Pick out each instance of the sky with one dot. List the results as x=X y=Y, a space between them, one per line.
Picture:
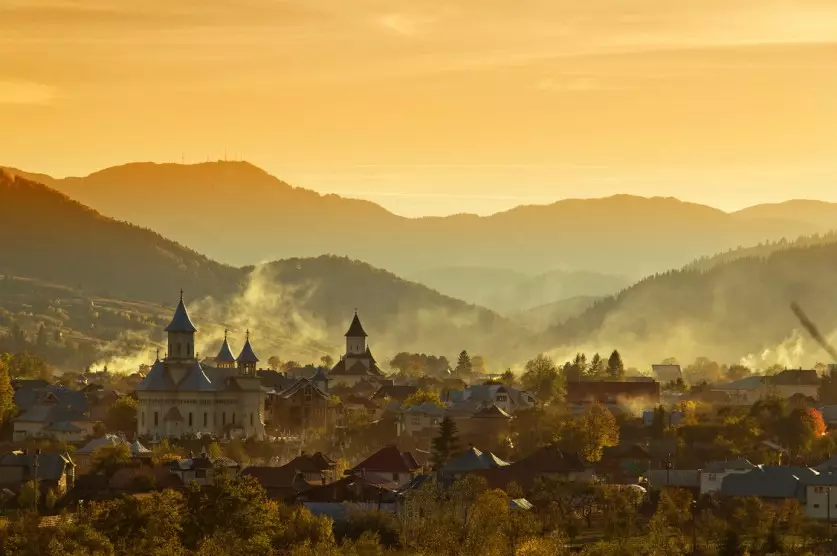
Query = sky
x=431 y=106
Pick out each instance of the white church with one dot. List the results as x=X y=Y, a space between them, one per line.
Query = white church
x=181 y=397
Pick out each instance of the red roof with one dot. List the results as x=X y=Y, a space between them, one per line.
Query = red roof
x=389 y=460
x=611 y=391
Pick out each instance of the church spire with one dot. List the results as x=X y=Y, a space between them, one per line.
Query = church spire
x=225 y=357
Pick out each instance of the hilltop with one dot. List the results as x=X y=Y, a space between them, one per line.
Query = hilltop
x=729 y=311
x=239 y=214
x=299 y=306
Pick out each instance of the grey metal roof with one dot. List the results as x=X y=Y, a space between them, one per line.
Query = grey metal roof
x=735 y=464
x=157 y=379
x=355 y=329
x=51 y=465
x=181 y=322
x=320 y=376
x=225 y=354
x=474 y=459
x=768 y=482
x=196 y=380
x=247 y=355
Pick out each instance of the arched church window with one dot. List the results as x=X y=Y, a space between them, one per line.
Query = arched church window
x=204 y=419
x=223 y=418
x=190 y=418
x=251 y=419
x=156 y=422
x=233 y=418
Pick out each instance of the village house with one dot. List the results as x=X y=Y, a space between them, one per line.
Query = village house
x=179 y=397
x=625 y=396
x=357 y=364
x=388 y=466
x=713 y=474
x=202 y=469
x=480 y=396
x=303 y=405
x=52 y=412
x=84 y=455
x=52 y=470
x=420 y=419
x=786 y=384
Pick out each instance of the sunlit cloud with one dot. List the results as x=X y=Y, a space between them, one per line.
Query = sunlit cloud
x=25 y=92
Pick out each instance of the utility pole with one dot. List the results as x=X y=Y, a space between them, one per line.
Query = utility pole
x=694 y=527
x=37 y=486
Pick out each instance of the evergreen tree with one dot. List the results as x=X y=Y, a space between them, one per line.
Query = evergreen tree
x=615 y=366
x=446 y=444
x=41 y=340
x=773 y=544
x=597 y=366
x=463 y=364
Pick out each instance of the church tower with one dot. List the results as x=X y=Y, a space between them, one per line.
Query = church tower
x=355 y=338
x=247 y=359
x=181 y=334
x=225 y=358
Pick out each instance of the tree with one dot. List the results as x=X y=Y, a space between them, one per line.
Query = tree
x=445 y=444
x=800 y=429
x=541 y=377
x=7 y=394
x=110 y=457
x=478 y=365
x=592 y=431
x=274 y=362
x=737 y=372
x=421 y=396
x=41 y=340
x=463 y=364
x=615 y=366
x=289 y=365
x=122 y=415
x=508 y=378
x=597 y=366
x=327 y=361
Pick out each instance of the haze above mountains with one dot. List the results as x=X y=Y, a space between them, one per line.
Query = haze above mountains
x=239 y=214
x=541 y=267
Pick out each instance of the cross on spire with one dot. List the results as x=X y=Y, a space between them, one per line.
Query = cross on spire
x=181 y=294
x=225 y=333
x=158 y=354
x=248 y=333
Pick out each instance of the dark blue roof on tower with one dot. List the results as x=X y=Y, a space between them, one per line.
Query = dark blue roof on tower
x=355 y=329
x=225 y=355
x=247 y=355
x=180 y=322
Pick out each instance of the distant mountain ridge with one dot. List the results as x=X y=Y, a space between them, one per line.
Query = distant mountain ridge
x=733 y=310
x=54 y=239
x=240 y=214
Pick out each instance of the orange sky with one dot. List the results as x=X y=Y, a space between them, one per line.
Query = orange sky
x=431 y=106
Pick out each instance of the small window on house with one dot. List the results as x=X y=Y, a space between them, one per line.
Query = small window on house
x=395 y=477
x=417 y=420
x=816 y=505
x=156 y=422
x=200 y=473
